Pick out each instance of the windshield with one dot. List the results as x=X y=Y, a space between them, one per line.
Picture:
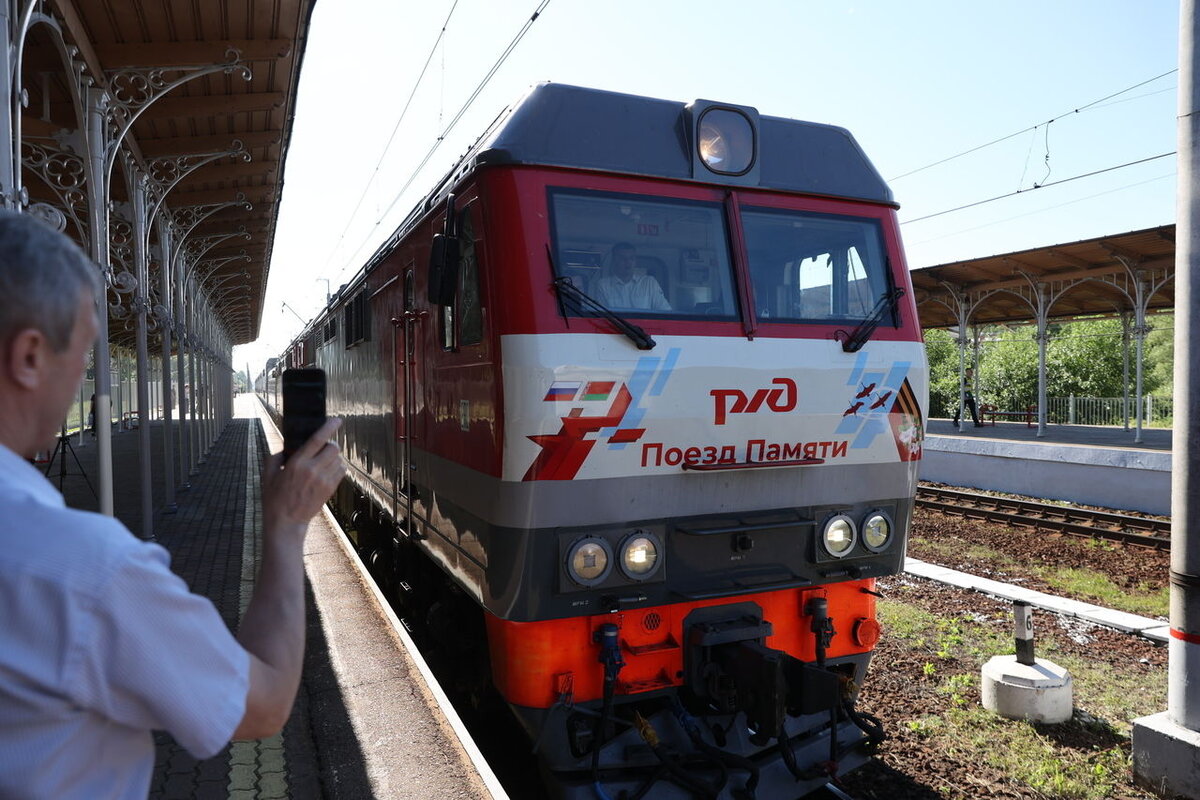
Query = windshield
x=807 y=267
x=644 y=257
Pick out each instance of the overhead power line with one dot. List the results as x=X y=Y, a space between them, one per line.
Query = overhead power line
x=459 y=115
x=379 y=164
x=1040 y=186
x=1043 y=210
x=1033 y=127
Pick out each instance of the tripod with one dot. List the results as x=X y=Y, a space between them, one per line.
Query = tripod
x=60 y=452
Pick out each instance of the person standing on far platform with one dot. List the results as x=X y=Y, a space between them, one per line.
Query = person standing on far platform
x=102 y=643
x=969 y=399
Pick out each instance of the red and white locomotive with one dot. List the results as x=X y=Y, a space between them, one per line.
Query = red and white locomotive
x=639 y=390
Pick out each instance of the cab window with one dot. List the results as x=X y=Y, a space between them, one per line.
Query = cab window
x=807 y=267
x=645 y=257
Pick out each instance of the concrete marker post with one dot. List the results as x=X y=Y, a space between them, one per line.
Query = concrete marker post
x=1023 y=686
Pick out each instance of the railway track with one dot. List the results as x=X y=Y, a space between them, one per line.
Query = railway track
x=1135 y=531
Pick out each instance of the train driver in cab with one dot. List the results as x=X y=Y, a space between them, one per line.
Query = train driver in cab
x=622 y=289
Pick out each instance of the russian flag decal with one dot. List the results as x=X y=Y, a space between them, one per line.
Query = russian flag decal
x=563 y=390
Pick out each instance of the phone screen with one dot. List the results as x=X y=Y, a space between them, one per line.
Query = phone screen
x=303 y=407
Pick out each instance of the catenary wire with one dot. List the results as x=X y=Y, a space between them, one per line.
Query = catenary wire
x=454 y=121
x=1039 y=186
x=379 y=164
x=1033 y=127
x=1044 y=210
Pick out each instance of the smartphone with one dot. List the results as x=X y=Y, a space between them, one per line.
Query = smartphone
x=303 y=407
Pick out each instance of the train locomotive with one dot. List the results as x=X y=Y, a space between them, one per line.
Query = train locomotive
x=634 y=399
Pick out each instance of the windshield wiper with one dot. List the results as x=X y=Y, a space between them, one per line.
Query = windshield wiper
x=859 y=336
x=585 y=302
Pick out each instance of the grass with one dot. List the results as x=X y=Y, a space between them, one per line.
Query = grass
x=1081 y=584
x=954 y=648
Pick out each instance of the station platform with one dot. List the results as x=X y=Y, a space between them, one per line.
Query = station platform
x=1084 y=464
x=368 y=722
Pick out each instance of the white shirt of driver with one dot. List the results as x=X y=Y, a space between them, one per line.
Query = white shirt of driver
x=102 y=644
x=640 y=292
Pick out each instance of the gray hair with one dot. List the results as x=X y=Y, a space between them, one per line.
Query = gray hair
x=43 y=277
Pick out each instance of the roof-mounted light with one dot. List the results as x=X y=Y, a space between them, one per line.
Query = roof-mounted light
x=725 y=141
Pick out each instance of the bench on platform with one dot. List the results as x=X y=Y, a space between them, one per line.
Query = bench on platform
x=986 y=412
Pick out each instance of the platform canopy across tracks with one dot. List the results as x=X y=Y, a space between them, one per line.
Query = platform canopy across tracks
x=154 y=133
x=1127 y=275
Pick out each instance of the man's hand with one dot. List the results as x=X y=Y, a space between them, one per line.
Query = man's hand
x=293 y=493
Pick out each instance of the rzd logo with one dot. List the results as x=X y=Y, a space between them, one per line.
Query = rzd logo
x=734 y=401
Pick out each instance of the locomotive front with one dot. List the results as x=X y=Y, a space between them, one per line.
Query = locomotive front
x=713 y=384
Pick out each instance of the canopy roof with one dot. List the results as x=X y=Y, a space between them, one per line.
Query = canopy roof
x=135 y=49
x=1090 y=277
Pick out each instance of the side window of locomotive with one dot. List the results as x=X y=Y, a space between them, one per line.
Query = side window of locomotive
x=470 y=311
x=356 y=319
x=643 y=256
x=462 y=321
x=814 y=267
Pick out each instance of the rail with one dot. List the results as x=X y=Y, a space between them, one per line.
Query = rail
x=1148 y=532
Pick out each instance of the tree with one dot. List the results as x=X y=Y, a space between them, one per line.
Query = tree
x=942 y=352
x=1160 y=354
x=1084 y=358
x=1008 y=367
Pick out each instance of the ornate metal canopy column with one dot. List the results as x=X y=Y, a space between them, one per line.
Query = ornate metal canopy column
x=1145 y=283
x=162 y=312
x=138 y=187
x=963 y=305
x=97 y=185
x=111 y=114
x=1126 y=331
x=10 y=165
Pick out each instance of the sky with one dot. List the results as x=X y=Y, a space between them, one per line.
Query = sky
x=915 y=82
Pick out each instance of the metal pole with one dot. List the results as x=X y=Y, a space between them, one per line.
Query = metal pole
x=1125 y=367
x=1183 y=681
x=1139 y=333
x=118 y=384
x=10 y=165
x=1166 y=746
x=185 y=453
x=141 y=301
x=97 y=141
x=1042 y=338
x=165 y=260
x=962 y=377
x=206 y=389
x=194 y=457
x=202 y=381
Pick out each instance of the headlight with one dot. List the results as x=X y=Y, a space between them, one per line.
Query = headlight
x=838 y=537
x=640 y=556
x=726 y=141
x=877 y=531
x=589 y=561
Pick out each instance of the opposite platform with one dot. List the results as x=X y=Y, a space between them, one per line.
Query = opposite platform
x=365 y=723
x=1088 y=465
